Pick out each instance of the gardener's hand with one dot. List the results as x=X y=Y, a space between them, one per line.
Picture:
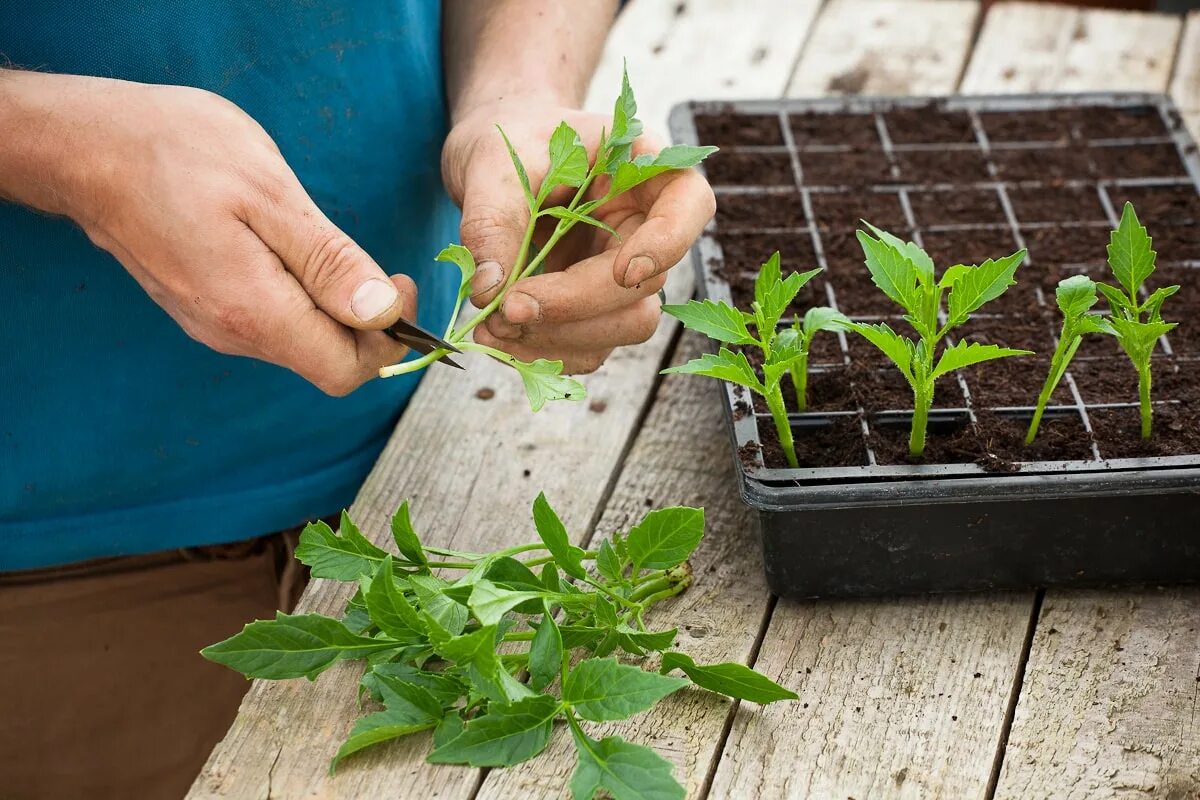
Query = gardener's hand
x=596 y=292
x=194 y=199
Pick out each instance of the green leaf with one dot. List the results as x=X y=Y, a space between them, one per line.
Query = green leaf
x=1129 y=252
x=981 y=285
x=390 y=609
x=898 y=348
x=1075 y=295
x=506 y=735
x=636 y=642
x=512 y=574
x=647 y=166
x=477 y=652
x=773 y=293
x=608 y=563
x=1138 y=339
x=490 y=602
x=602 y=689
x=544 y=381
x=964 y=354
x=1153 y=304
x=411 y=698
x=522 y=175
x=725 y=365
x=626 y=127
x=545 y=654
x=382 y=726
x=575 y=636
x=342 y=556
x=665 y=537
x=1118 y=303
x=444 y=687
x=447 y=612
x=291 y=646
x=715 y=320
x=550 y=579
x=559 y=212
x=625 y=770
x=731 y=679
x=448 y=729
x=568 y=160
x=919 y=258
x=823 y=318
x=553 y=534
x=892 y=271
x=406 y=537
x=462 y=258
x=952 y=275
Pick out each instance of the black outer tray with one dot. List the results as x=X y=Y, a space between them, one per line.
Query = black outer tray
x=877 y=530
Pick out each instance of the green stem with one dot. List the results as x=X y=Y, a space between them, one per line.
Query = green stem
x=923 y=399
x=664 y=594
x=610 y=594
x=800 y=380
x=1144 y=398
x=650 y=587
x=779 y=414
x=520 y=636
x=452 y=565
x=1068 y=343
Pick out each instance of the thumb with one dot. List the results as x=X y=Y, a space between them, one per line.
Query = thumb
x=339 y=276
x=493 y=225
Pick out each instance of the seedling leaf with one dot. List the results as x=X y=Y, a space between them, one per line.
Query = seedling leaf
x=603 y=689
x=982 y=284
x=730 y=679
x=891 y=270
x=522 y=175
x=899 y=349
x=625 y=770
x=342 y=556
x=964 y=354
x=508 y=734
x=1129 y=252
x=665 y=537
x=714 y=319
x=725 y=365
x=1076 y=295
x=406 y=537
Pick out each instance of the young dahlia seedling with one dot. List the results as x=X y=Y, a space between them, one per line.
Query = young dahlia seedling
x=785 y=352
x=1137 y=324
x=905 y=273
x=490 y=656
x=616 y=171
x=1075 y=297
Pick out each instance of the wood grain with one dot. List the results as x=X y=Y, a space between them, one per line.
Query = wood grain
x=1034 y=47
x=886 y=47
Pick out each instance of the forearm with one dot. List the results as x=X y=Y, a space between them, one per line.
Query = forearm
x=505 y=48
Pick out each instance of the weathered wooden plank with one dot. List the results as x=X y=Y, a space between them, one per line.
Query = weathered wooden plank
x=1109 y=708
x=1036 y=47
x=1185 y=83
x=681 y=457
x=471 y=468
x=886 y=47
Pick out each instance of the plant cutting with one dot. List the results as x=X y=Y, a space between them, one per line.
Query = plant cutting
x=1137 y=323
x=1075 y=297
x=613 y=172
x=488 y=653
x=905 y=273
x=785 y=352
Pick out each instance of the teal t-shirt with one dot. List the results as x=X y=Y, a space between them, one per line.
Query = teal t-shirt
x=118 y=433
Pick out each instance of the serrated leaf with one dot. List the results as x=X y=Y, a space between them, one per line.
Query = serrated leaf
x=291 y=646
x=725 y=365
x=952 y=274
x=823 y=318
x=964 y=354
x=625 y=770
x=390 y=609
x=730 y=679
x=559 y=212
x=461 y=257
x=1129 y=252
x=715 y=320
x=545 y=654
x=405 y=537
x=1138 y=339
x=568 y=161
x=476 y=651
x=608 y=563
x=544 y=381
x=522 y=174
x=892 y=271
x=898 y=348
x=633 y=173
x=1076 y=295
x=665 y=537
x=1154 y=303
x=553 y=534
x=602 y=689
x=445 y=611
x=490 y=602
x=342 y=556
x=506 y=735
x=919 y=258
x=981 y=285
x=445 y=688
x=1118 y=303
x=626 y=127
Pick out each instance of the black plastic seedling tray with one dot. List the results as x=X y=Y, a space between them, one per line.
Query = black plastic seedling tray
x=994 y=174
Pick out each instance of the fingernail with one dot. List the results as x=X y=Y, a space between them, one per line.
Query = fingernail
x=520 y=308
x=372 y=299
x=487 y=276
x=640 y=268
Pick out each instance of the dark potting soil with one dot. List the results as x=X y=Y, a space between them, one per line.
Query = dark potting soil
x=1065 y=227
x=1057 y=204
x=728 y=129
x=837 y=443
x=760 y=210
x=843 y=210
x=733 y=168
x=956 y=207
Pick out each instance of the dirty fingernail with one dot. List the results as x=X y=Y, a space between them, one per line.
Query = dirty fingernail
x=372 y=298
x=487 y=276
x=520 y=308
x=640 y=268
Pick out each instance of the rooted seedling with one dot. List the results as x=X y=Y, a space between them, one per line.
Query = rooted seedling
x=1075 y=296
x=1137 y=324
x=784 y=352
x=489 y=660
x=904 y=272
x=614 y=172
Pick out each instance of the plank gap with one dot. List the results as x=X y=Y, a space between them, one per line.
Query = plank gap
x=794 y=70
x=1014 y=698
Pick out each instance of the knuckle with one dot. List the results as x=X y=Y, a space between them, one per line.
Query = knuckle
x=236 y=323
x=484 y=223
x=334 y=257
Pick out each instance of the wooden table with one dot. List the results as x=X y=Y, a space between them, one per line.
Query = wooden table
x=1048 y=694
